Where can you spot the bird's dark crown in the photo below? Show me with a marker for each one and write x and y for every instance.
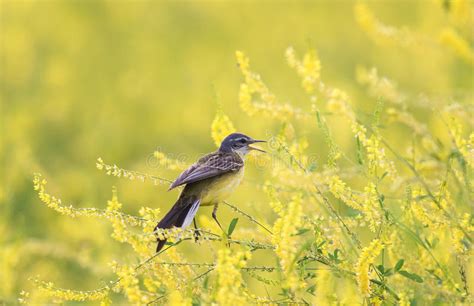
(235, 141)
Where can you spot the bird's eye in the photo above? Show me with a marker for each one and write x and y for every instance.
(241, 140)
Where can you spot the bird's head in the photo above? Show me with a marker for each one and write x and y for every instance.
(239, 143)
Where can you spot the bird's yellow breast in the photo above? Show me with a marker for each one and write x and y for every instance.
(221, 187)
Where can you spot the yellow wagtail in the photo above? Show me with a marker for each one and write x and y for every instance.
(208, 181)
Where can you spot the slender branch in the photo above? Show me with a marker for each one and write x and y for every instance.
(248, 216)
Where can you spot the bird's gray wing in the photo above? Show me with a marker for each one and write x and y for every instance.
(209, 166)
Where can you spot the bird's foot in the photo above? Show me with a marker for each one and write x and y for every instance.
(197, 234)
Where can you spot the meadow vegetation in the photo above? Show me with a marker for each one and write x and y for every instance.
(365, 196)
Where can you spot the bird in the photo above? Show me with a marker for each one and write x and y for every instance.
(207, 182)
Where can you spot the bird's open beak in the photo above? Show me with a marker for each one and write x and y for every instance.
(257, 149)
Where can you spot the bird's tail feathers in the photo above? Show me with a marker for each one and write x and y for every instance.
(180, 215)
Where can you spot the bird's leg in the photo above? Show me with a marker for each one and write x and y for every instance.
(214, 216)
(197, 233)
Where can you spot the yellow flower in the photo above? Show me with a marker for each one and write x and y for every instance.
(404, 299)
(324, 288)
(366, 258)
(308, 69)
(367, 203)
(379, 86)
(120, 231)
(377, 158)
(285, 241)
(229, 282)
(383, 33)
(50, 290)
(221, 127)
(129, 284)
(56, 204)
(464, 146)
(458, 44)
(426, 211)
(371, 207)
(161, 159)
(266, 105)
(176, 299)
(23, 299)
(337, 101)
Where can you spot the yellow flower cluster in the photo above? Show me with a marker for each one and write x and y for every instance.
(309, 69)
(378, 162)
(379, 86)
(397, 115)
(451, 236)
(221, 127)
(119, 220)
(274, 203)
(339, 102)
(325, 291)
(341, 191)
(367, 203)
(129, 284)
(53, 202)
(286, 245)
(56, 204)
(176, 299)
(366, 259)
(121, 232)
(458, 235)
(294, 168)
(460, 46)
(60, 294)
(267, 105)
(174, 278)
(425, 211)
(380, 32)
(372, 211)
(23, 299)
(116, 171)
(229, 283)
(183, 272)
(465, 147)
(450, 36)
(460, 13)
(158, 277)
(376, 157)
(150, 218)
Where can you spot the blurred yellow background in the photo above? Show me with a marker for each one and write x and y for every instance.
(121, 79)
